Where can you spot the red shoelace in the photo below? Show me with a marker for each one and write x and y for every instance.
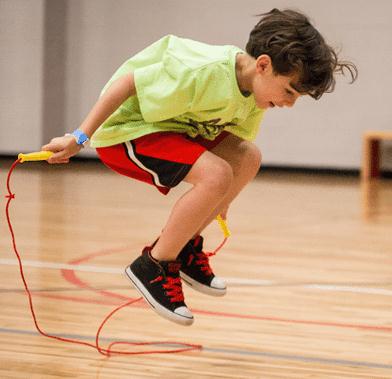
(173, 289)
(203, 261)
(172, 286)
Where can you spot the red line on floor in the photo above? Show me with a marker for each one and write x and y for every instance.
(70, 276)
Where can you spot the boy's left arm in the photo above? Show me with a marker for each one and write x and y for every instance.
(66, 146)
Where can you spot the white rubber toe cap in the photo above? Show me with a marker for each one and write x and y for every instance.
(186, 315)
(218, 283)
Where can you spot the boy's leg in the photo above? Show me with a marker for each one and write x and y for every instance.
(211, 177)
(218, 177)
(245, 159)
(156, 274)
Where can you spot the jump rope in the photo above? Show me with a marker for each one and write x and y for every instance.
(108, 351)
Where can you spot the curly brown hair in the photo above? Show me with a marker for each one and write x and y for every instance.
(296, 47)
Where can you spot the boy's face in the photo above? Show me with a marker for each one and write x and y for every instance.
(270, 89)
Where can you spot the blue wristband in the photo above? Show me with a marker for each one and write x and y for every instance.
(80, 137)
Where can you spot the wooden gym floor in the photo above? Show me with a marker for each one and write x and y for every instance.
(309, 271)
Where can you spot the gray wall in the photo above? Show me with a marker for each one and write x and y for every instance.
(21, 74)
(56, 56)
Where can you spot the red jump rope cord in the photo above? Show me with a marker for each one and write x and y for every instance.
(104, 351)
(212, 253)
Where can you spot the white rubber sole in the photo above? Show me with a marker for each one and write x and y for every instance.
(201, 287)
(158, 308)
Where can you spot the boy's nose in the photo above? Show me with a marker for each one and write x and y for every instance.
(290, 102)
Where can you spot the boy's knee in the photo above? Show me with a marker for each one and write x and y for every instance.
(250, 157)
(219, 177)
(255, 156)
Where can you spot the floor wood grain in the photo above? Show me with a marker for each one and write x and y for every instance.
(309, 268)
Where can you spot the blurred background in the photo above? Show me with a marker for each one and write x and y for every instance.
(56, 55)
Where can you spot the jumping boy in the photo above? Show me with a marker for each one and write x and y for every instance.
(182, 110)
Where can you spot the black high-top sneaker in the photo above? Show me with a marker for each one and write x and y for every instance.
(196, 271)
(159, 283)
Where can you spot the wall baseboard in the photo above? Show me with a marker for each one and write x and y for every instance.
(319, 171)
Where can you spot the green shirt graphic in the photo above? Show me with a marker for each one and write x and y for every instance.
(182, 86)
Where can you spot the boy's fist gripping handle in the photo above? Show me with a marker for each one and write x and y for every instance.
(36, 156)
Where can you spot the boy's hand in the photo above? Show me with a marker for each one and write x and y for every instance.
(63, 149)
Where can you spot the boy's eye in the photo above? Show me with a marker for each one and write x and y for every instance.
(289, 92)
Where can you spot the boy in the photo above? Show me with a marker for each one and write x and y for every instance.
(181, 110)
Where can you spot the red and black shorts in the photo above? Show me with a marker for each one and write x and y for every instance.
(162, 159)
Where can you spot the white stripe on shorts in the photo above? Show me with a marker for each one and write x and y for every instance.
(132, 155)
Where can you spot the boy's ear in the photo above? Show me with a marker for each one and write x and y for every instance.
(263, 64)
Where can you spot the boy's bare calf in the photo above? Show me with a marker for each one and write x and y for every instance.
(212, 178)
(245, 159)
(217, 178)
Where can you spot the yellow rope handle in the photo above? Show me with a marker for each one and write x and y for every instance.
(223, 226)
(36, 156)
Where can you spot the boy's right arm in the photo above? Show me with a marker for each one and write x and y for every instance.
(66, 146)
